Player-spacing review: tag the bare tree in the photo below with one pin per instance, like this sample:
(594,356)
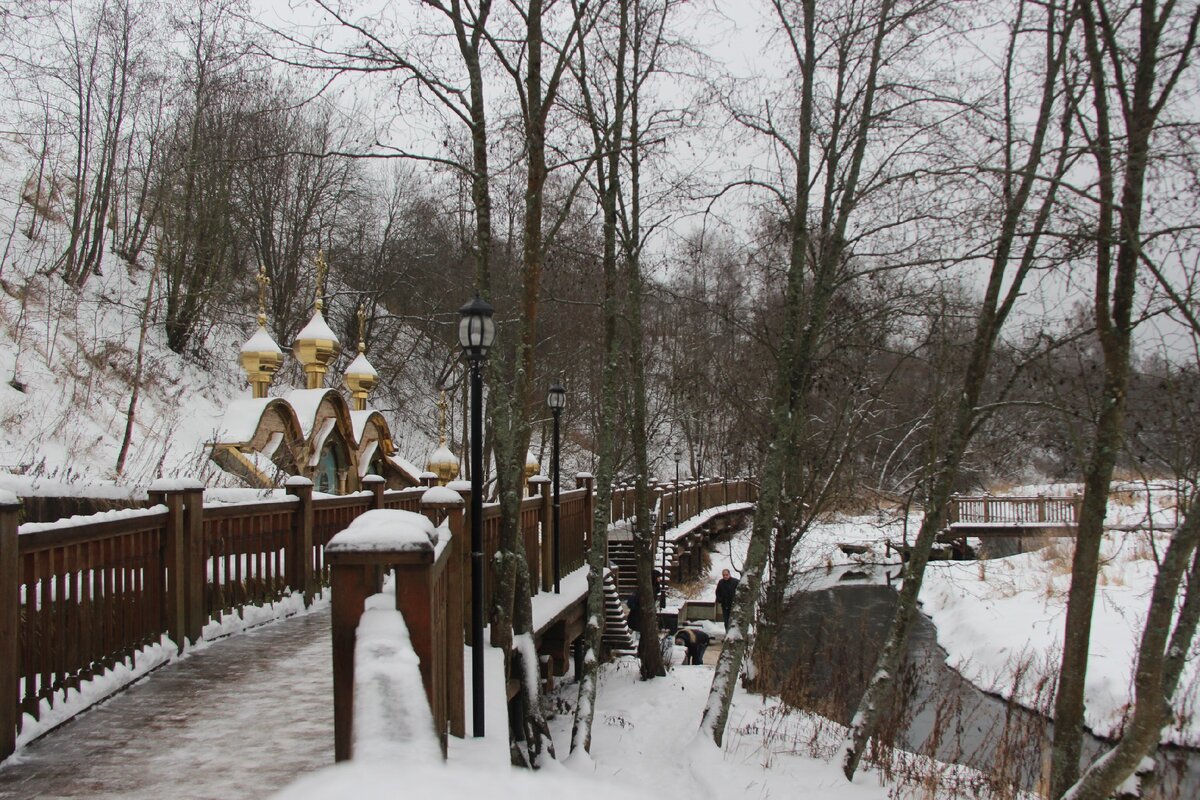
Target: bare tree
(1135,55)
(1015,250)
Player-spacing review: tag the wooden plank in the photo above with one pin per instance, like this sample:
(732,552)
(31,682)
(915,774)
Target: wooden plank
(76,534)
(10,628)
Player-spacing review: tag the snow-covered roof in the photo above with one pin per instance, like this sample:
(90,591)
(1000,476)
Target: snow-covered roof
(317,328)
(361,366)
(359,420)
(406,466)
(241,417)
(306,402)
(261,342)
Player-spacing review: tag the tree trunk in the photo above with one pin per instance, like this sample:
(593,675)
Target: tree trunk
(1152,695)
(1113,309)
(607,143)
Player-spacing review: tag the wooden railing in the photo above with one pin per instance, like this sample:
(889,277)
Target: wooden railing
(78,598)
(693,497)
(89,596)
(429,592)
(992,510)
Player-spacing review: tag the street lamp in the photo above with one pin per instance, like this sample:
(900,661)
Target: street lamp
(662,594)
(678,458)
(556,398)
(476,332)
(654,532)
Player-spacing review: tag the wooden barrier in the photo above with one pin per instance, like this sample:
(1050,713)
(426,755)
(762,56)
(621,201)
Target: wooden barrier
(427,581)
(78,597)
(1016,511)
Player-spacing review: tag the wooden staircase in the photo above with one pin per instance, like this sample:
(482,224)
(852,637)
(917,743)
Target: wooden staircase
(618,639)
(621,554)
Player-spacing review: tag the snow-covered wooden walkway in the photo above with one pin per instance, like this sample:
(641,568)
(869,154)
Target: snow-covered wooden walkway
(241,718)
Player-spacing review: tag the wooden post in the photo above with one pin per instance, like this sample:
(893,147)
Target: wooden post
(541,485)
(354,572)
(299,553)
(377,485)
(350,585)
(585,480)
(455,625)
(463,553)
(196,577)
(10,623)
(174,559)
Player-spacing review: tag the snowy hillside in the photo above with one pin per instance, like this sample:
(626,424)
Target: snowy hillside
(68,361)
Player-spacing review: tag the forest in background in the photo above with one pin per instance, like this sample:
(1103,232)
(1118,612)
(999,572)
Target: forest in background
(915,248)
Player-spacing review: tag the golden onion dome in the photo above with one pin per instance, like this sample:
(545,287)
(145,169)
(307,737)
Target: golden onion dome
(261,358)
(360,378)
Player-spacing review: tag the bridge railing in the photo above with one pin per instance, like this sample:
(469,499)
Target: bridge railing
(1012,510)
(88,597)
(685,500)
(79,596)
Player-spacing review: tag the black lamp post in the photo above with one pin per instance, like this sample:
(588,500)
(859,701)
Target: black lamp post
(476,332)
(662,583)
(556,398)
(678,458)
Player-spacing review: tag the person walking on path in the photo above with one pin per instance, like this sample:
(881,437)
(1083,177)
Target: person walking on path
(726,589)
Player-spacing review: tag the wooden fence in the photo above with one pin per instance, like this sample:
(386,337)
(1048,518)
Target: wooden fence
(1015,511)
(686,500)
(86,595)
(79,597)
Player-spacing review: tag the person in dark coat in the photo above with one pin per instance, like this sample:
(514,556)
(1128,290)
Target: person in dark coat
(635,607)
(726,589)
(696,642)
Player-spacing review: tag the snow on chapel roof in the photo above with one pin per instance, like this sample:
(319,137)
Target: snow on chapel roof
(360,366)
(317,328)
(240,420)
(261,342)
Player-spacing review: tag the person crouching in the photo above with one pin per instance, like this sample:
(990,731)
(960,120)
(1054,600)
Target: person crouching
(696,642)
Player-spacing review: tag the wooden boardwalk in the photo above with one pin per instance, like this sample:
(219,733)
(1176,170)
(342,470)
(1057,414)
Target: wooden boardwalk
(241,718)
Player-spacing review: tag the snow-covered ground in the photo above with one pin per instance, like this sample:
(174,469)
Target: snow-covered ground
(644,745)
(1001,620)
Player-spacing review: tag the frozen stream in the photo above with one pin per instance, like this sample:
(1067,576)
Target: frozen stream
(829,644)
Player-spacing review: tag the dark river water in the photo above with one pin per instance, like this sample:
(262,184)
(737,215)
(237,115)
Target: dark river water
(828,648)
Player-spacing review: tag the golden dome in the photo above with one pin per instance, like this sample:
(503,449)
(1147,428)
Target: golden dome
(261,358)
(360,377)
(316,345)
(442,461)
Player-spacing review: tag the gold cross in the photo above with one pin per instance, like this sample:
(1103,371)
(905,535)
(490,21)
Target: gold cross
(442,419)
(263,282)
(362,328)
(322,268)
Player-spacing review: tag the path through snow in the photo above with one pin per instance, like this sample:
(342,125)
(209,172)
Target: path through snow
(242,717)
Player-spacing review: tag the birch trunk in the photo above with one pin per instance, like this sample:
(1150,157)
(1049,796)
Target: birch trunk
(607,140)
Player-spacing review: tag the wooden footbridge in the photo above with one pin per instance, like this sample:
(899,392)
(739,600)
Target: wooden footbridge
(989,516)
(80,598)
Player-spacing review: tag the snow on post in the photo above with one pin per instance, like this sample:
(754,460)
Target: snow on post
(385,530)
(392,718)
